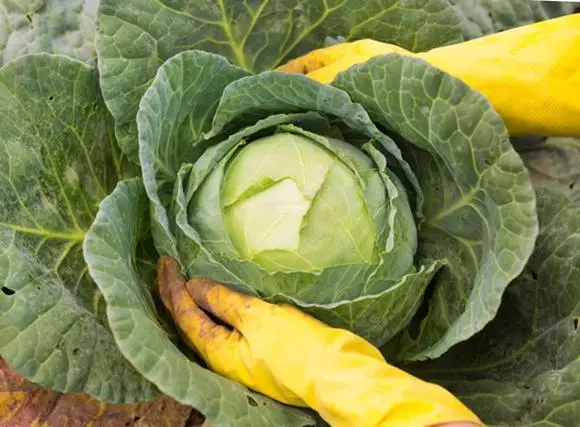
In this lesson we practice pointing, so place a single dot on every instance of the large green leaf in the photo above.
(479, 202)
(57, 161)
(136, 36)
(523, 369)
(53, 26)
(110, 252)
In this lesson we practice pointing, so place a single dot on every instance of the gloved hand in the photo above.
(293, 358)
(530, 74)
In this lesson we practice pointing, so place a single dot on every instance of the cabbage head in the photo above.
(390, 203)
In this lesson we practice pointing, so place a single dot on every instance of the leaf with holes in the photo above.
(58, 159)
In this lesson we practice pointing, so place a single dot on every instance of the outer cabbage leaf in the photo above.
(523, 369)
(53, 26)
(136, 36)
(479, 202)
(121, 224)
(57, 161)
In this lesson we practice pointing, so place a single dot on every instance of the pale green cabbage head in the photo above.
(290, 204)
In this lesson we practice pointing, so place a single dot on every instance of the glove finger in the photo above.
(167, 273)
(211, 340)
(197, 328)
(226, 304)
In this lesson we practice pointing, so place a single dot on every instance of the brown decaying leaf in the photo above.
(24, 404)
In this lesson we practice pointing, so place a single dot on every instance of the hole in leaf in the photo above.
(251, 401)
(571, 185)
(75, 351)
(51, 98)
(576, 323)
(29, 18)
(7, 291)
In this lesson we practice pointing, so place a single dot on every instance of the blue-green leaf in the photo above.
(58, 159)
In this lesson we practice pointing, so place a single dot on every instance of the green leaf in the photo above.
(555, 164)
(377, 317)
(53, 26)
(57, 161)
(110, 252)
(479, 202)
(173, 116)
(523, 369)
(136, 36)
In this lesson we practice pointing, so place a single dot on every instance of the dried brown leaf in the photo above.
(24, 404)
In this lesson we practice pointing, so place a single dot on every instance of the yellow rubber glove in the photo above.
(530, 74)
(295, 359)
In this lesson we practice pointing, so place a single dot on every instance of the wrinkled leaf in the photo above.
(173, 116)
(367, 315)
(54, 26)
(136, 36)
(139, 332)
(57, 161)
(23, 404)
(523, 369)
(479, 203)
